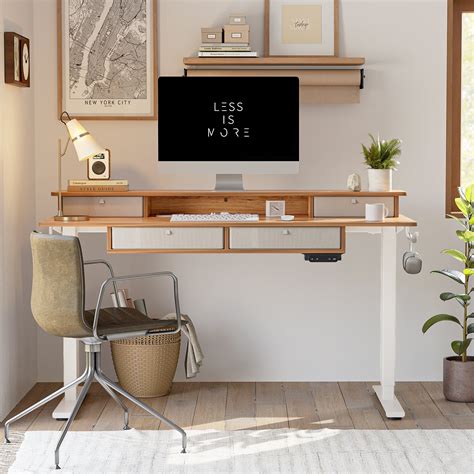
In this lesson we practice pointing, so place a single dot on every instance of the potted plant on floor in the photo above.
(458, 371)
(380, 157)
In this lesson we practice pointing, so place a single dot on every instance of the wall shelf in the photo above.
(323, 79)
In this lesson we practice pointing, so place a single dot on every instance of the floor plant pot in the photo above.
(380, 180)
(458, 379)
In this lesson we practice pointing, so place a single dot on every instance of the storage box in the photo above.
(236, 33)
(211, 35)
(237, 20)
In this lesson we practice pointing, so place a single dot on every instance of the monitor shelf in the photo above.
(323, 79)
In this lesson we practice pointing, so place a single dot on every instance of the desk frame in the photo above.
(385, 391)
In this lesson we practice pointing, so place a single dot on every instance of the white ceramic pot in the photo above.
(380, 180)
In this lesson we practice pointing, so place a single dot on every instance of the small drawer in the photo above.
(343, 206)
(167, 238)
(103, 206)
(304, 238)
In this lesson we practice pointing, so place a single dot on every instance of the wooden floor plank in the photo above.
(271, 410)
(210, 407)
(181, 404)
(362, 406)
(459, 415)
(425, 412)
(330, 406)
(240, 407)
(300, 405)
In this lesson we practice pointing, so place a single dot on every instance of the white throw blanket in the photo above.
(194, 354)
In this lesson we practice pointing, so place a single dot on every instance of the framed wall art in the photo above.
(17, 59)
(301, 28)
(107, 59)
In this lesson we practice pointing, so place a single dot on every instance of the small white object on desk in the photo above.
(354, 182)
(274, 208)
(287, 218)
(376, 212)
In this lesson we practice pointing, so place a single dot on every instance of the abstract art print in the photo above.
(108, 58)
(301, 27)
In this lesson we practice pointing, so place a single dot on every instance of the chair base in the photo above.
(94, 372)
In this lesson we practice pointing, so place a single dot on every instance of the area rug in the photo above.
(261, 451)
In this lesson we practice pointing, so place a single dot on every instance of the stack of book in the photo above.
(226, 50)
(97, 185)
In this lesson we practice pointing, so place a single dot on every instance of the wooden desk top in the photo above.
(164, 221)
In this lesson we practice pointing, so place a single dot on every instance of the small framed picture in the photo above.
(301, 27)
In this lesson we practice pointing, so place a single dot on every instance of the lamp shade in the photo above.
(84, 143)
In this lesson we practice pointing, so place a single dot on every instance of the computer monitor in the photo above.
(228, 126)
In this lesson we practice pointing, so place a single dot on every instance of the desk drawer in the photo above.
(167, 238)
(305, 238)
(332, 206)
(103, 206)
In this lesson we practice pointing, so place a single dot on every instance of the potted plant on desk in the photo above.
(458, 371)
(380, 157)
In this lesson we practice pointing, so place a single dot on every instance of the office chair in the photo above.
(57, 304)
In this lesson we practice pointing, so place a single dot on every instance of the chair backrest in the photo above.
(57, 297)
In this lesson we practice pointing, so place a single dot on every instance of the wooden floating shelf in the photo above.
(323, 79)
(276, 61)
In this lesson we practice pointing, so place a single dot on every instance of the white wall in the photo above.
(275, 317)
(17, 218)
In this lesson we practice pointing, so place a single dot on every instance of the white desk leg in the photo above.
(71, 358)
(388, 315)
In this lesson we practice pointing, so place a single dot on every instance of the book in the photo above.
(227, 54)
(97, 182)
(223, 47)
(97, 185)
(97, 189)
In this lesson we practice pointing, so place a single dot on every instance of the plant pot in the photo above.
(380, 180)
(458, 379)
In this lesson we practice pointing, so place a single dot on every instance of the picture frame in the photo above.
(17, 59)
(94, 82)
(301, 28)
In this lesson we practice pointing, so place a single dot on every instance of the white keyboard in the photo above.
(222, 217)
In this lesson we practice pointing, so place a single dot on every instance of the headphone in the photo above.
(412, 262)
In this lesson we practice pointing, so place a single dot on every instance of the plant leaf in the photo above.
(469, 193)
(470, 328)
(462, 298)
(470, 316)
(462, 205)
(457, 254)
(438, 318)
(468, 271)
(459, 347)
(458, 277)
(465, 235)
(459, 221)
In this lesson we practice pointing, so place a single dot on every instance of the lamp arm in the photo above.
(61, 154)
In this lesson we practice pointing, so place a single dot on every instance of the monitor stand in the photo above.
(229, 182)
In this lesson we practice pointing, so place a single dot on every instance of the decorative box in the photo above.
(211, 35)
(236, 33)
(237, 20)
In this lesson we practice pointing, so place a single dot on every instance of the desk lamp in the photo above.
(86, 147)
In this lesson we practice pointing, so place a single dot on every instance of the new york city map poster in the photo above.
(107, 58)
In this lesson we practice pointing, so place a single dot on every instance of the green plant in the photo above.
(465, 203)
(381, 154)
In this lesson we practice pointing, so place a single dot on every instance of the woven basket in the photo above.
(146, 366)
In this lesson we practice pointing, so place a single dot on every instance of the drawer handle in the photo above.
(168, 232)
(355, 201)
(286, 232)
(102, 201)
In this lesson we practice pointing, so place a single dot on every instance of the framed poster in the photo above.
(301, 27)
(107, 59)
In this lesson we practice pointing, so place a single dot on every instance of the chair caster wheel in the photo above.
(7, 441)
(183, 451)
(57, 467)
(125, 428)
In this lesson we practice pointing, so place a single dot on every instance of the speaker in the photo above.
(412, 262)
(98, 167)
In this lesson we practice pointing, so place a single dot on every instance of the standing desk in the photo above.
(139, 222)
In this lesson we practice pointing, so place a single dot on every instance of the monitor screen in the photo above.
(228, 119)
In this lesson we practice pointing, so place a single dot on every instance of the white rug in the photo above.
(263, 451)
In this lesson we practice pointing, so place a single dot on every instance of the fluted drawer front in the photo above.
(285, 238)
(136, 238)
(334, 206)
